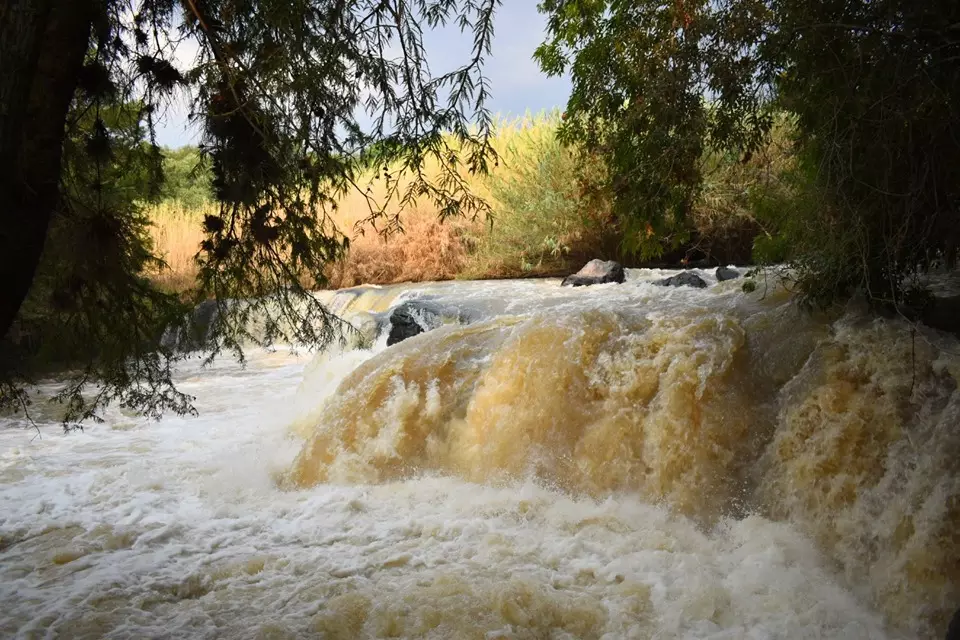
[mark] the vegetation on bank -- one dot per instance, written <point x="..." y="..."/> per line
<point x="873" y="93"/>
<point x="549" y="213"/>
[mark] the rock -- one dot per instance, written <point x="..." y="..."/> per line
<point x="595" y="272"/>
<point x="953" y="631"/>
<point x="943" y="313"/>
<point x="205" y="314"/>
<point x="402" y="325"/>
<point x="413" y="318"/>
<point x="685" y="279"/>
<point x="193" y="333"/>
<point x="726" y="273"/>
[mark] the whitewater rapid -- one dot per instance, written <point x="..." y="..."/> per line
<point x="525" y="470"/>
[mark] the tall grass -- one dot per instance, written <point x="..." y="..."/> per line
<point x="732" y="209"/>
<point x="537" y="223"/>
<point x="177" y="231"/>
<point x="550" y="214"/>
<point x="542" y="221"/>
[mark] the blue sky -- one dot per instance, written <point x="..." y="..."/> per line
<point x="516" y="83"/>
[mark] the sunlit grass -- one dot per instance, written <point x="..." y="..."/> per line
<point x="544" y="220"/>
<point x="518" y="241"/>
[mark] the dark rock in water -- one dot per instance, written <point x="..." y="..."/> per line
<point x="402" y="325"/>
<point x="202" y="319"/>
<point x="192" y="334"/>
<point x="726" y="273"/>
<point x="953" y="631"/>
<point x="943" y="314"/>
<point x="204" y="314"/>
<point x="685" y="279"/>
<point x="595" y="272"/>
<point x="420" y="315"/>
<point x="412" y="318"/>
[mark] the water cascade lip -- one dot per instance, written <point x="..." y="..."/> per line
<point x="616" y="461"/>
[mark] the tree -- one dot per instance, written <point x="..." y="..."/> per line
<point x="36" y="87"/>
<point x="186" y="177"/>
<point x="873" y="89"/>
<point x="294" y="97"/>
<point x="641" y="75"/>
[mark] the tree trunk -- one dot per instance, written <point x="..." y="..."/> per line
<point x="42" y="45"/>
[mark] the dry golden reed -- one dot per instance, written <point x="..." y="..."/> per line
<point x="426" y="249"/>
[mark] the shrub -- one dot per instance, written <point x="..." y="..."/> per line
<point x="545" y="216"/>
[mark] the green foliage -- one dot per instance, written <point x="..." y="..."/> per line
<point x="280" y="102"/>
<point x="872" y="87"/>
<point x="542" y="219"/>
<point x="552" y="207"/>
<point x="640" y="72"/>
<point x="187" y="177"/>
<point x="876" y="91"/>
<point x="291" y="97"/>
<point x="741" y="198"/>
<point x="91" y="310"/>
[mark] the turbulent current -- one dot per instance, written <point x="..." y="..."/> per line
<point x="616" y="461"/>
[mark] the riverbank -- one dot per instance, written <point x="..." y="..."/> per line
<point x="549" y="214"/>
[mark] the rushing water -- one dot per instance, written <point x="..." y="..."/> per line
<point x="620" y="461"/>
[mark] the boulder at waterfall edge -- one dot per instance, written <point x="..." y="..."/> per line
<point x="685" y="279"/>
<point x="415" y="317"/>
<point x="596" y="272"/>
<point x="726" y="273"/>
<point x="403" y="325"/>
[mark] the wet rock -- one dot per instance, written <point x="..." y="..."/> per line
<point x="685" y="279"/>
<point x="943" y="313"/>
<point x="726" y="273"/>
<point x="402" y="325"/>
<point x="412" y="318"/>
<point x="953" y="631"/>
<point x="595" y="272"/>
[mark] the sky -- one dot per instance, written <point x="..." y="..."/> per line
<point x="516" y="83"/>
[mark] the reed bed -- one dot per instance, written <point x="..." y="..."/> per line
<point x="525" y="235"/>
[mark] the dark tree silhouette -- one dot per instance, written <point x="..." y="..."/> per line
<point x="294" y="98"/>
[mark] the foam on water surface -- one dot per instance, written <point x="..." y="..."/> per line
<point x="626" y="462"/>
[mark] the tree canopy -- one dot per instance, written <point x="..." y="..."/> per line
<point x="873" y="90"/>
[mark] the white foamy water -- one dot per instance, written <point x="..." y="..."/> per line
<point x="181" y="528"/>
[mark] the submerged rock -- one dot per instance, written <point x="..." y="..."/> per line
<point x="413" y="318"/>
<point x="403" y="325"/>
<point x="194" y="332"/>
<point x="726" y="273"/>
<point x="596" y="272"/>
<point x="943" y="313"/>
<point x="685" y="279"/>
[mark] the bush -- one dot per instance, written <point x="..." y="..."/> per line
<point x="187" y="178"/>
<point x="731" y="211"/>
<point x="546" y="217"/>
<point x="551" y="212"/>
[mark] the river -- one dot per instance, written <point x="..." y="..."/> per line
<point x="617" y="461"/>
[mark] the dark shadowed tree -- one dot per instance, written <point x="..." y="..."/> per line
<point x="293" y="98"/>
<point x="873" y="89"/>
